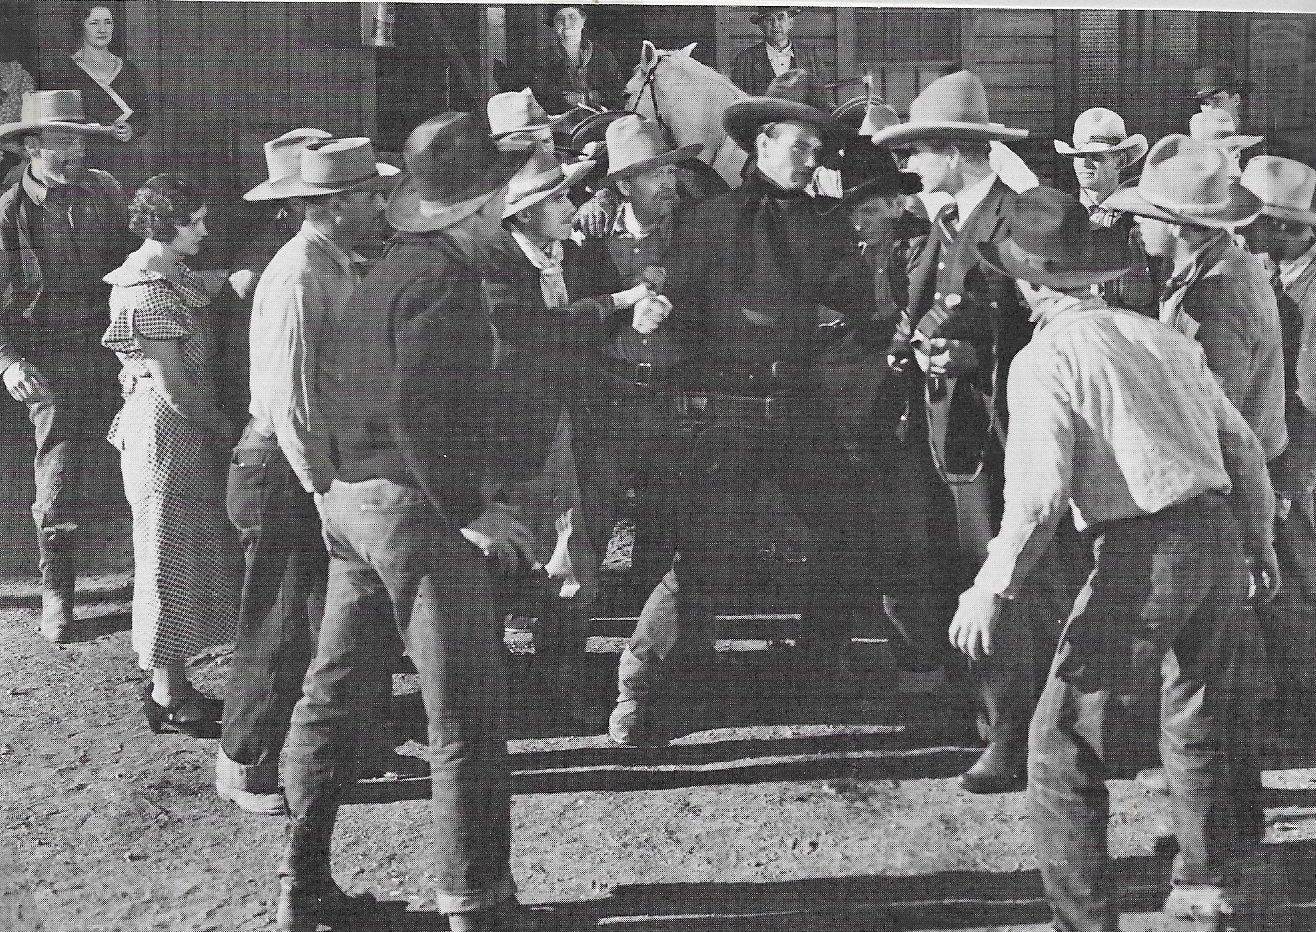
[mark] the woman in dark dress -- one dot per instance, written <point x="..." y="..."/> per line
<point x="575" y="71"/>
<point x="112" y="92"/>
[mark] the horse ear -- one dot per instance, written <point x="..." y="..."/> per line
<point x="648" y="52"/>
<point x="688" y="49"/>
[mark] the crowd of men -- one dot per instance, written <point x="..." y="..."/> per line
<point x="1092" y="415"/>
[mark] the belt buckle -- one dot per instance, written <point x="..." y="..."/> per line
<point x="644" y="374"/>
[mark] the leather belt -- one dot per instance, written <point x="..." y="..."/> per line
<point x="640" y="374"/>
<point x="756" y="380"/>
<point x="739" y="407"/>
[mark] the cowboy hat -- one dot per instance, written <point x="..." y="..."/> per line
<point x="541" y="178"/>
<point x="1217" y="128"/>
<point x="1187" y="182"/>
<point x="951" y="107"/>
<point x="767" y="12"/>
<point x="452" y="168"/>
<point x="783" y="102"/>
<point x="1210" y="79"/>
<point x="1052" y="243"/>
<point x="869" y="171"/>
<point x="1099" y="130"/>
<point x="636" y="145"/>
<point x="332" y="166"/>
<point x="1286" y="188"/>
<point x="283" y="158"/>
<point x="518" y="112"/>
<point x="58" y="110"/>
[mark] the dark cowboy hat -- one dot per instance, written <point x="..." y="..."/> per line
<point x="1209" y="79"/>
<point x="1052" y="242"/>
<point x="767" y="12"/>
<point x="783" y="102"/>
<point x="869" y="171"/>
<point x="452" y="165"/>
<point x="553" y="8"/>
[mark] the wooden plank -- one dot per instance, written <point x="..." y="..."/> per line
<point x="1010" y="24"/>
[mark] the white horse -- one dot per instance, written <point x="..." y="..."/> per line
<point x="686" y="98"/>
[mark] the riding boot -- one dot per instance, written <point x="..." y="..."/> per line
<point x="632" y="722"/>
<point x="57" y="579"/>
<point x="307" y="892"/>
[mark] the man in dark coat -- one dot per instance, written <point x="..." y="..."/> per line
<point x="962" y="326"/>
<point x="62" y="228"/>
<point x="404" y="378"/>
<point x="753" y="68"/>
<point x="750" y="269"/>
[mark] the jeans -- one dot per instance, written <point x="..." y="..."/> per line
<point x="283" y="592"/>
<point x="1164" y="606"/>
<point x="392" y="555"/>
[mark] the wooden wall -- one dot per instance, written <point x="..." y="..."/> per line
<point x="816" y="27"/>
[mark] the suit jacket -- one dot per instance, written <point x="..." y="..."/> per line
<point x="954" y="294"/>
<point x="752" y="72"/>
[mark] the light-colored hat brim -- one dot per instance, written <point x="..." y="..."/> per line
<point x="551" y="123"/>
<point x="742" y="119"/>
<point x="572" y="174"/>
<point x="1295" y="214"/>
<point x="1135" y="147"/>
<point x="683" y="154"/>
<point x="38" y="126"/>
<point x="1234" y="143"/>
<point x="1242" y="209"/>
<point x="1005" y="257"/>
<point x="906" y="133"/>
<point x="293" y="186"/>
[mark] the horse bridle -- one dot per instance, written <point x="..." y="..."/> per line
<point x="650" y="86"/>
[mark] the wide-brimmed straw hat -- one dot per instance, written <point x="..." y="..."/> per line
<point x="1052" y="242"/>
<point x="452" y="167"/>
<point x="1210" y="79"/>
<point x="541" y="178"/>
<point x="1286" y="188"/>
<point x="951" y="107"/>
<point x="636" y="145"/>
<point x="283" y="159"/>
<point x="767" y="12"/>
<point x="518" y="112"/>
<point x="1217" y="127"/>
<point x="785" y="101"/>
<point x="57" y="110"/>
<point x="332" y="166"/>
<point x="1184" y="181"/>
<point x="1098" y="131"/>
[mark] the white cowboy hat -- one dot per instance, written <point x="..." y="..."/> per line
<point x="283" y="158"/>
<point x="1286" y="188"/>
<point x="453" y="168"/>
<point x="541" y="178"/>
<point x="59" y="110"/>
<point x="1184" y="181"/>
<point x="951" y="107"/>
<point x="1100" y="130"/>
<point x="332" y="166"/>
<point x="1217" y="127"/>
<point x="518" y="112"/>
<point x="637" y="145"/>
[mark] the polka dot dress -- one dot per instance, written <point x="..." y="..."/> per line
<point x="184" y="596"/>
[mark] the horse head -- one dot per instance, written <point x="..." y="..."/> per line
<point x="644" y="74"/>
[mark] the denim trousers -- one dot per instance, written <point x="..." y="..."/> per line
<point x="1164" y="608"/>
<point x="392" y="555"/>
<point x="283" y="592"/>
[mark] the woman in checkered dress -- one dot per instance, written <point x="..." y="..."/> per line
<point x="173" y="440"/>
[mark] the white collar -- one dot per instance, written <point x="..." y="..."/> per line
<point x="1290" y="272"/>
<point x="969" y="198"/>
<point x="538" y="258"/>
<point x="343" y="258"/>
<point x="629" y="224"/>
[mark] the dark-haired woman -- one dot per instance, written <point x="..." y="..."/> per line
<point x="112" y="93"/>
<point x="172" y="439"/>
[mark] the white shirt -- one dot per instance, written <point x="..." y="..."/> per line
<point x="780" y="59"/>
<point x="969" y="198"/>
<point x="1290" y="272"/>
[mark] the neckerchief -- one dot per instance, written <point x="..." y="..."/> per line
<point x="766" y="200"/>
<point x="552" y="284"/>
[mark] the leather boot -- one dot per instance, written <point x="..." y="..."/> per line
<point x="57" y="578"/>
<point x="307" y="892"/>
<point x="1002" y="768"/>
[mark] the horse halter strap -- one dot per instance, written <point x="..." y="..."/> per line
<point x="650" y="86"/>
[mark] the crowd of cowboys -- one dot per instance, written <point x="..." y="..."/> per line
<point x="1096" y="414"/>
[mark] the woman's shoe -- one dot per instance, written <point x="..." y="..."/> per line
<point x="188" y="716"/>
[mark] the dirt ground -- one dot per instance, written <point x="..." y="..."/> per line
<point x="837" y="811"/>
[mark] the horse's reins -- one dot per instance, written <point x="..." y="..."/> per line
<point x="650" y="85"/>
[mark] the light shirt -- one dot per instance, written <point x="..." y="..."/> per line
<point x="628" y="223"/>
<point x="1290" y="272"/>
<point x="552" y="283"/>
<point x="303" y="288"/>
<point x="36" y="190"/>
<point x="1117" y="416"/>
<point x="780" y="59"/>
<point x="968" y="199"/>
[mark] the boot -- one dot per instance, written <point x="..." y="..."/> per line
<point x="632" y="723"/>
<point x="57" y="578"/>
<point x="307" y="892"/>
